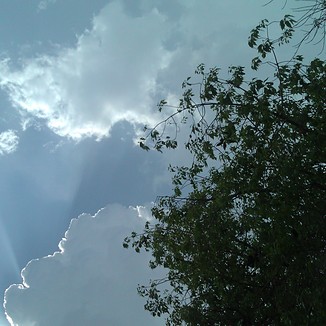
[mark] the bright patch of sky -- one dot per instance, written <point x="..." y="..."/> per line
<point x="78" y="81"/>
<point x="8" y="142"/>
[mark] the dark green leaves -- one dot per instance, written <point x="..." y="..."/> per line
<point x="255" y="33"/>
<point x="242" y="237"/>
<point x="287" y="22"/>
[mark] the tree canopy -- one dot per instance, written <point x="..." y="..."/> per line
<point x="243" y="237"/>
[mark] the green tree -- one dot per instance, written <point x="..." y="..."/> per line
<point x="243" y="237"/>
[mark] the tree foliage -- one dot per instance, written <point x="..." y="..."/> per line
<point x="243" y="237"/>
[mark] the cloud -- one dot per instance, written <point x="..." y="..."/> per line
<point x="8" y="142"/>
<point x="109" y="76"/>
<point x="92" y="280"/>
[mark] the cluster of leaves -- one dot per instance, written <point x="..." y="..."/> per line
<point x="247" y="244"/>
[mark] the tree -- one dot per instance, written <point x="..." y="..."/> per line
<point x="243" y="237"/>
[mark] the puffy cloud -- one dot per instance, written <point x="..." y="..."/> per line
<point x="8" y="142"/>
<point x="109" y="76"/>
<point x="92" y="280"/>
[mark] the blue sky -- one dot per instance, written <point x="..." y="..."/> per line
<point x="78" y="81"/>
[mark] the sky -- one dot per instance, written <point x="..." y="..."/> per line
<point x="78" y="81"/>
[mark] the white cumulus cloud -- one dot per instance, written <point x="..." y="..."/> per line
<point x="91" y="281"/>
<point x="109" y="76"/>
<point x="8" y="142"/>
